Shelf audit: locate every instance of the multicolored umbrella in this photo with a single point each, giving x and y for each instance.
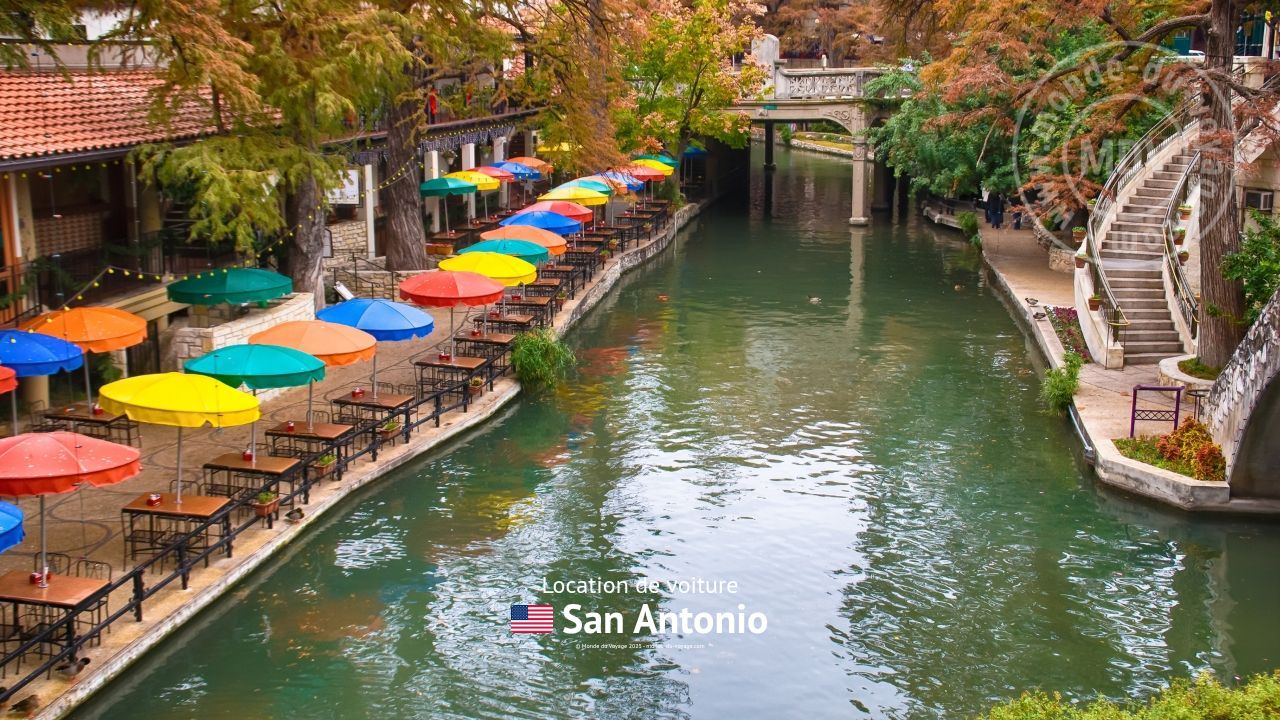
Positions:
(664, 159)
(519, 170)
(332, 343)
(554, 244)
(523, 249)
(58, 462)
(541, 166)
(643, 172)
(441, 288)
(571, 210)
(443, 187)
(632, 182)
(181, 400)
(552, 222)
(497, 173)
(230, 285)
(661, 167)
(484, 183)
(383, 319)
(95, 329)
(11, 530)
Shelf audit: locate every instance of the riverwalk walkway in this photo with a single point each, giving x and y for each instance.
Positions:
(87, 523)
(1021, 269)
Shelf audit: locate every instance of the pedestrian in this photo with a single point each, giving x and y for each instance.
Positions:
(432, 105)
(986, 205)
(1017, 216)
(996, 205)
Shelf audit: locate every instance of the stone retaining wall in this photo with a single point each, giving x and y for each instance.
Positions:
(1236, 392)
(349, 238)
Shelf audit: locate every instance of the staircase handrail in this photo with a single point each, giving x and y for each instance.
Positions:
(1169, 128)
(1187, 303)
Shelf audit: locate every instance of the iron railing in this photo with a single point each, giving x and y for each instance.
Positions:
(1188, 306)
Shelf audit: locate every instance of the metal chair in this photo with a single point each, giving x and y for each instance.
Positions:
(58, 563)
(100, 609)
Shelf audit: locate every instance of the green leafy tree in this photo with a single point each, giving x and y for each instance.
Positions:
(1257, 264)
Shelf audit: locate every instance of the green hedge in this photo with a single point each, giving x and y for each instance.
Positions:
(1204, 699)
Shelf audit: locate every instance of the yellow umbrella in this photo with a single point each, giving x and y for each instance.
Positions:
(509, 271)
(480, 180)
(580, 195)
(663, 168)
(179, 399)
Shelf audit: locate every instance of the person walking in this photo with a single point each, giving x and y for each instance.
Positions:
(996, 204)
(986, 204)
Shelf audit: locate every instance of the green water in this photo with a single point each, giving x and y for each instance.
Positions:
(872, 471)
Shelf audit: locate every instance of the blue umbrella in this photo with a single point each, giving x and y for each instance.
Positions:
(631, 182)
(693, 151)
(31, 354)
(532, 253)
(11, 531)
(383, 319)
(554, 222)
(522, 172)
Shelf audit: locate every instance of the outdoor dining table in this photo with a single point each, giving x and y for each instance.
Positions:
(627, 231)
(544, 286)
(543, 307)
(452, 375)
(585, 258)
(79, 417)
(379, 410)
(456, 238)
(511, 322)
(64, 592)
(494, 346)
(310, 440)
(246, 478)
(168, 520)
(565, 272)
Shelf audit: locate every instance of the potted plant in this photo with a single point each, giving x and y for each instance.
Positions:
(323, 465)
(1179, 235)
(1081, 259)
(604, 254)
(265, 504)
(1184, 211)
(388, 429)
(1077, 233)
(613, 244)
(1182, 256)
(475, 386)
(1095, 302)
(1092, 203)
(562, 296)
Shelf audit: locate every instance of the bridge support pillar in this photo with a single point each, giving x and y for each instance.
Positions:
(860, 214)
(769, 165)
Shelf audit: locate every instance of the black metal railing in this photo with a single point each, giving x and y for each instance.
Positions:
(1188, 306)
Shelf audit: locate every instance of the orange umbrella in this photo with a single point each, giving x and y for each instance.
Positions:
(554, 244)
(333, 343)
(540, 165)
(94, 329)
(58, 462)
(9, 383)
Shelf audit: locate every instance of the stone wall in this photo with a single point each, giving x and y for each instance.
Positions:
(191, 342)
(349, 238)
(364, 280)
(1236, 393)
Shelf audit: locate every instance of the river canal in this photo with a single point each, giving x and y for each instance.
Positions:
(871, 469)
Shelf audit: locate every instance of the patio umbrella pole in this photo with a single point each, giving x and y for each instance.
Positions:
(311, 386)
(44, 560)
(453, 341)
(13, 406)
(88, 389)
(253, 439)
(179, 500)
(374, 380)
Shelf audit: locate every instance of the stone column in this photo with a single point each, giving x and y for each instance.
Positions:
(468, 162)
(883, 187)
(370, 200)
(500, 154)
(431, 171)
(861, 174)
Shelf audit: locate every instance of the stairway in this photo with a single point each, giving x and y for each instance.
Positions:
(1132, 253)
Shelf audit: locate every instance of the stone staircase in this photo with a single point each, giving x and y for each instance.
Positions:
(1132, 252)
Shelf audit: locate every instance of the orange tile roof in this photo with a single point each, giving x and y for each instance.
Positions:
(48, 113)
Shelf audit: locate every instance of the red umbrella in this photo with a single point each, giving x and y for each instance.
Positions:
(496, 173)
(571, 210)
(9, 383)
(444, 288)
(58, 462)
(640, 172)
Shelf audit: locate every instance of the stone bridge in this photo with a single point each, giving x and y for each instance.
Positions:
(1243, 409)
(834, 94)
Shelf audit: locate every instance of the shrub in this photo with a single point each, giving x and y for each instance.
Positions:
(1197, 369)
(540, 359)
(1066, 323)
(1188, 450)
(1257, 264)
(1203, 699)
(1060, 384)
(968, 223)
(785, 131)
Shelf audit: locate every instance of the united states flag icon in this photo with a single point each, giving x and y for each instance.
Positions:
(532, 619)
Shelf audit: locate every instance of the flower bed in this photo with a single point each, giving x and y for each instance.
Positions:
(1189, 450)
(1066, 323)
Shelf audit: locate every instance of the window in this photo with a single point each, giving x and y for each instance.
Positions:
(1261, 200)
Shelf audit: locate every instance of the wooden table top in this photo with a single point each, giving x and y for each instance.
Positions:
(317, 431)
(546, 282)
(384, 401)
(457, 362)
(515, 318)
(558, 269)
(530, 300)
(447, 236)
(80, 412)
(65, 591)
(200, 507)
(493, 338)
(262, 464)
(600, 233)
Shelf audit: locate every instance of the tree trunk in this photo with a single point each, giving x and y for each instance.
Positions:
(405, 240)
(306, 247)
(1222, 300)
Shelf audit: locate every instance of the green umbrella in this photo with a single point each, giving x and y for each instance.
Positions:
(258, 367)
(230, 285)
(443, 186)
(531, 253)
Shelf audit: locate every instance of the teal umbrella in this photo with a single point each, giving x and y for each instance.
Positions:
(589, 185)
(532, 253)
(259, 367)
(665, 160)
(445, 186)
(230, 285)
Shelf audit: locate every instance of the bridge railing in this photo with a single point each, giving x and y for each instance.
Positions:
(821, 83)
